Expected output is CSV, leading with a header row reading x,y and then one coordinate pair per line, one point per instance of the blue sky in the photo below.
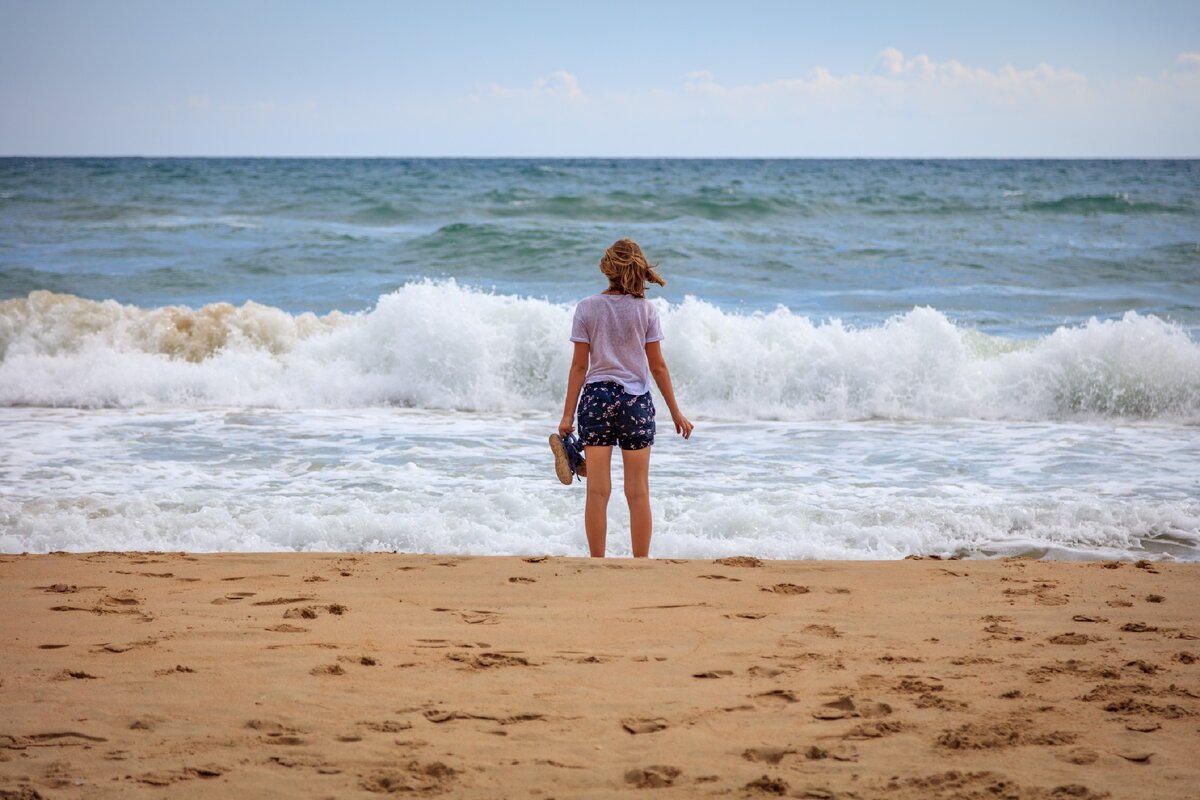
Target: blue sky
x,y
770,79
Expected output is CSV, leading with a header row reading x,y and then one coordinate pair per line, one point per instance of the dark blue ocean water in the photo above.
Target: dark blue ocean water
x,y
1008,247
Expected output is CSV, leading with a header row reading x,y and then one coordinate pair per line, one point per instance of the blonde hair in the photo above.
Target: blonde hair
x,y
626,267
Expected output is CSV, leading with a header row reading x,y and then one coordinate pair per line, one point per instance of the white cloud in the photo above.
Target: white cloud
x,y
558,84
1188,61
895,73
900,105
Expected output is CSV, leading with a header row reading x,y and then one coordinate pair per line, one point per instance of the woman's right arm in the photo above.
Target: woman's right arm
x,y
579,368
662,377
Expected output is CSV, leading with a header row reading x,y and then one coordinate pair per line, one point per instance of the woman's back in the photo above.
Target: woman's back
x,y
617,328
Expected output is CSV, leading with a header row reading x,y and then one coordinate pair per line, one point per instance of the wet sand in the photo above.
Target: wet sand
x,y
361,675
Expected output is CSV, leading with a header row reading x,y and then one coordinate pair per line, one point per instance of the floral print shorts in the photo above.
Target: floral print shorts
x,y
609,416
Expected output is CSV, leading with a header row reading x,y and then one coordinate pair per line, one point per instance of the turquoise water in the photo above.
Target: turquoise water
x,y
883,357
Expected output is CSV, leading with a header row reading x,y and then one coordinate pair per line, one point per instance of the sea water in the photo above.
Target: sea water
x,y
882,358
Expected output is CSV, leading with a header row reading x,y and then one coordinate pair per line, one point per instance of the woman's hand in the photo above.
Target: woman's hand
x,y
566,426
682,425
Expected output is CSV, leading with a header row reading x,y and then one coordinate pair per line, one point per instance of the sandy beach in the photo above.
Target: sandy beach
x,y
338,675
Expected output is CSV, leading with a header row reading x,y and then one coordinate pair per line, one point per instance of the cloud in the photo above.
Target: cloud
x,y
1188,61
897,105
558,84
896,73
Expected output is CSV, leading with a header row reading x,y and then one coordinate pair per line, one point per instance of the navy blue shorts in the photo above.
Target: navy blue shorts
x,y
609,416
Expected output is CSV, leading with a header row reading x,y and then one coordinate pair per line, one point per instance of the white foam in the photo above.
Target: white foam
x,y
439,345
438,482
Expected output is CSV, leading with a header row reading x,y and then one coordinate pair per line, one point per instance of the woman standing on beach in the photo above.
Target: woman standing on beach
x,y
617,340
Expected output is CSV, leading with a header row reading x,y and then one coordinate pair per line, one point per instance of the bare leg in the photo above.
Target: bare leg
x,y
599,487
637,493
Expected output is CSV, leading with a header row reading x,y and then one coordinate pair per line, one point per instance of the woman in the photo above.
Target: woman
x,y
617,340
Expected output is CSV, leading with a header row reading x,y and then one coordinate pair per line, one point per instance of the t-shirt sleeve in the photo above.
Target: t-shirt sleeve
x,y
653,327
578,328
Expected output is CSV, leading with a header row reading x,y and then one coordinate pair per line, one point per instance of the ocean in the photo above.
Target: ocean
x,y
883,358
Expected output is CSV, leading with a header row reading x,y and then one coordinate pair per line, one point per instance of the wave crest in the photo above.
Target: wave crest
x,y
440,345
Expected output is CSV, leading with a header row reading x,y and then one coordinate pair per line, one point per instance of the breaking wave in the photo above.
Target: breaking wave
x,y
440,345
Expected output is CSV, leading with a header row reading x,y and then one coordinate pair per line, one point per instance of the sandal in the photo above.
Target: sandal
x,y
568,457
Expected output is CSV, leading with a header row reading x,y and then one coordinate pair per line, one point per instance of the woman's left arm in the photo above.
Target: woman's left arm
x,y
579,368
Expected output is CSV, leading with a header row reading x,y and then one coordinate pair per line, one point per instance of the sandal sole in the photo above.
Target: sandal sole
x,y
562,464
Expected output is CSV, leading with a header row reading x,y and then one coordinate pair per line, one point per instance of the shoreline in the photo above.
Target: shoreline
x,y
362,674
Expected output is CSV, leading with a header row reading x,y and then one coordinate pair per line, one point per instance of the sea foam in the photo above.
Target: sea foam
x,y
440,345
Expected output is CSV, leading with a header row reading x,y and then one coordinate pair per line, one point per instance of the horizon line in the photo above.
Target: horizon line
x,y
617,158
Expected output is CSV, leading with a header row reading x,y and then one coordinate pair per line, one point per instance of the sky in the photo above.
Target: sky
x,y
613,79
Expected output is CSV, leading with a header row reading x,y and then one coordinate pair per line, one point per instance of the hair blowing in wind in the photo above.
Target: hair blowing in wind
x,y
626,267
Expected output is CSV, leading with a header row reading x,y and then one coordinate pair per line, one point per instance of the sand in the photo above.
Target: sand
x,y
338,675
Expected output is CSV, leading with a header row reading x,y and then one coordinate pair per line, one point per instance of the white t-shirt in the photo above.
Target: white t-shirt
x,y
617,327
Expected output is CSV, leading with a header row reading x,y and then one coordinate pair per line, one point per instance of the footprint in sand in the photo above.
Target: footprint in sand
x,y
999,734
652,777
311,612
124,598
417,778
173,670
827,631
777,697
328,669
488,660
365,661
280,601
962,784
721,578
785,588
1142,726
1079,755
846,707
894,659
643,725
873,730
232,597
386,726
125,648
914,685
1073,638
739,561
766,755
758,671
768,785
522,579
841,752
12,742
